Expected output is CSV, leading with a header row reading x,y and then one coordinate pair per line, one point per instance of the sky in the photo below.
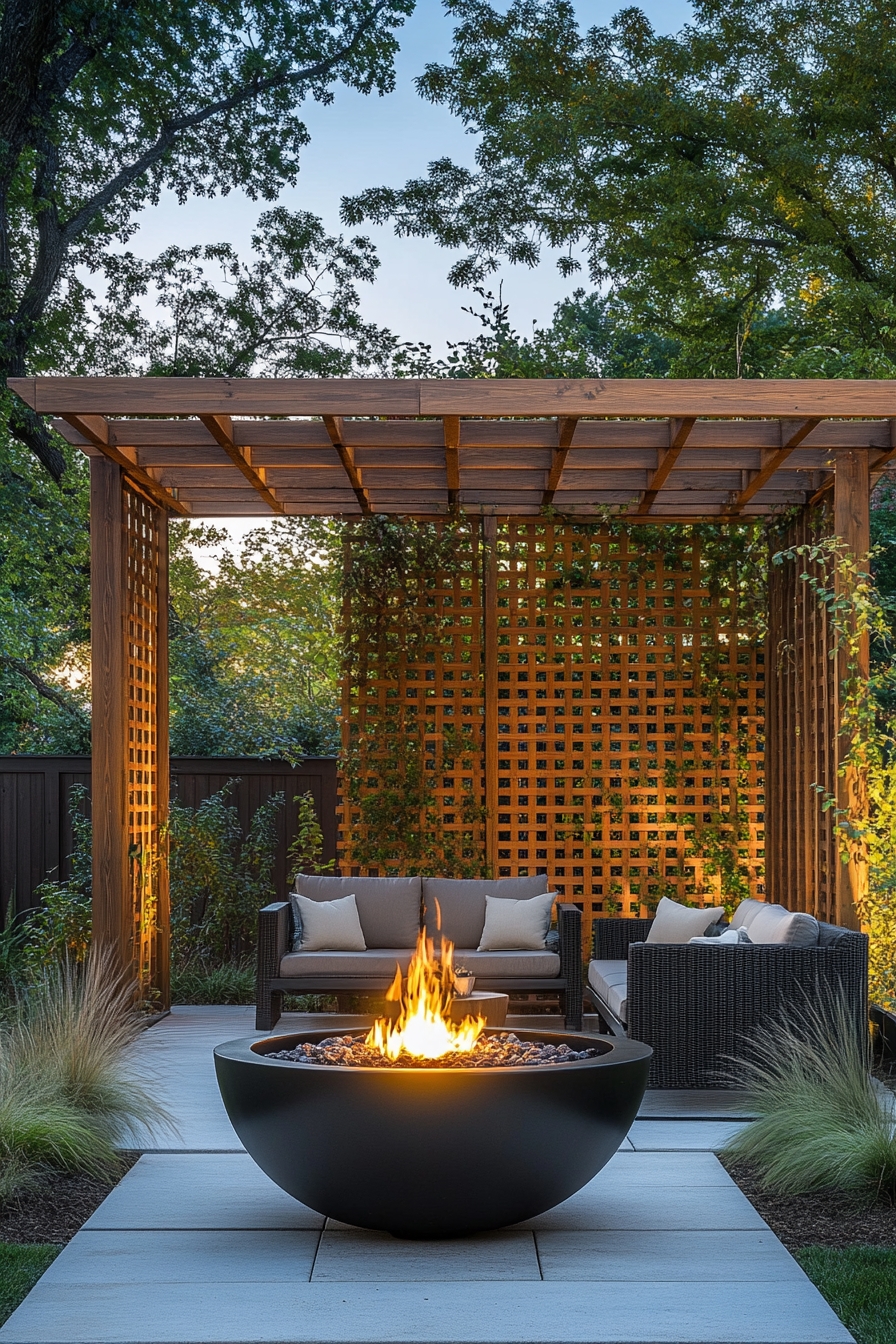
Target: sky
x,y
359,142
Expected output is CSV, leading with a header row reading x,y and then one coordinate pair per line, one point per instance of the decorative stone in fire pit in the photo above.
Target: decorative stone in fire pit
x,y
427,1128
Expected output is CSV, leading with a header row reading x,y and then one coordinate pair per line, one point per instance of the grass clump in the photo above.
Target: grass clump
x,y
20,1269
66,1097
822,1124
860,1284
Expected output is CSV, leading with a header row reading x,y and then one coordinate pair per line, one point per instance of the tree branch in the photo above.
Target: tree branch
x,y
42,687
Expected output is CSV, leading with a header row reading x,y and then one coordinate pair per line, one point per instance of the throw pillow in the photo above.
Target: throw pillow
x,y
516,926
730,938
774,924
328,926
676,923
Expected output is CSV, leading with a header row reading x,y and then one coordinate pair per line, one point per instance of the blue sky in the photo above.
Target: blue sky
x,y
359,142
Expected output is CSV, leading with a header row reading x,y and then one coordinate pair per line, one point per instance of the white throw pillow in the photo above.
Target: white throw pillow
x,y
730,938
329,926
746,912
774,924
516,926
676,923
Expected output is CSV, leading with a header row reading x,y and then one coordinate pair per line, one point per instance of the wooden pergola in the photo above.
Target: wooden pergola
x,y
533,452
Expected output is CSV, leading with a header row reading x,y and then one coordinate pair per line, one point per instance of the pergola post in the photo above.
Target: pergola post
x,y
129,672
852,525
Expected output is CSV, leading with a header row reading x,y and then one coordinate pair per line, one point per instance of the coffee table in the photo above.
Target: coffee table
x,y
493,1007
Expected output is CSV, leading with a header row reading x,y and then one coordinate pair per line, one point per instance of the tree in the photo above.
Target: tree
x,y
291,311
105,104
736,183
254,646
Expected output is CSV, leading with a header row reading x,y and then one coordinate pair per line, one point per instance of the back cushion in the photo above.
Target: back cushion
x,y
745,913
388,907
462,903
774,924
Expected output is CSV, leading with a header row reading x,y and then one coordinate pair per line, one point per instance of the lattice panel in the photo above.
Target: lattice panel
x,y
147,787
437,701
619,763
626,714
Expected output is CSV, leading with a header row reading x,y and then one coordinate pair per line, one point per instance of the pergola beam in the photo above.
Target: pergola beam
x,y
775,459
221,429
334,427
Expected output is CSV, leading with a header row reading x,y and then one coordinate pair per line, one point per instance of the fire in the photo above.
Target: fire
x,y
423,1027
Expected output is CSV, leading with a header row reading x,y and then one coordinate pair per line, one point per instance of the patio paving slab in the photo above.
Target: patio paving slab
x,y
683,1135
375,1257
426,1313
223,1191
662,1257
184,1257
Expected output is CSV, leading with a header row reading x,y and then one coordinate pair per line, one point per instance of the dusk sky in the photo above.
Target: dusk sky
x,y
360,142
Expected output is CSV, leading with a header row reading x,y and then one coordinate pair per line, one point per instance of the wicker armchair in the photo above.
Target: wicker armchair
x,y
694,1003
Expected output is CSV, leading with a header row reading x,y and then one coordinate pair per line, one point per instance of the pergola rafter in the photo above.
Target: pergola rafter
x,y
521,459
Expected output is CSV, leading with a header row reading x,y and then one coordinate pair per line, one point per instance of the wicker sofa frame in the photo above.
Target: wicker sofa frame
x,y
694,1004
275,933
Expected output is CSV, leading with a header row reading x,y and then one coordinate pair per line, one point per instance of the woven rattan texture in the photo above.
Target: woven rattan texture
x,y
622,721
802,733
142,523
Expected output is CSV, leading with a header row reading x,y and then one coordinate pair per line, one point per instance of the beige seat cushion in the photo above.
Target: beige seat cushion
x,y
513,965
462,903
380,963
609,980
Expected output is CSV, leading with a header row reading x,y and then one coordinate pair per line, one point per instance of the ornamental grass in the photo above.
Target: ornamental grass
x,y
67,1098
823,1122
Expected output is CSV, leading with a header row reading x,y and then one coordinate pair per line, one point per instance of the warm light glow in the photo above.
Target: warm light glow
x,y
423,1028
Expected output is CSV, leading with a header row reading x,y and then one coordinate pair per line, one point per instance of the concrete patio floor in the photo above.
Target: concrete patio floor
x,y
197,1246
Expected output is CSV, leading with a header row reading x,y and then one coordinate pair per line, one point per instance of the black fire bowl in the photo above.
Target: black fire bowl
x,y
432,1152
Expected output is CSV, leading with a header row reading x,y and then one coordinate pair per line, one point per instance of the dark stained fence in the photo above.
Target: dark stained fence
x,y
35,825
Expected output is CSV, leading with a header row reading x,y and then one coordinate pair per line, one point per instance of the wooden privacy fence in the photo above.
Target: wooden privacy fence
x,y
607,707
35,827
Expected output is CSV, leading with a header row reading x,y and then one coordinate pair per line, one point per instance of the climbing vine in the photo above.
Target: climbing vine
x,y
402,580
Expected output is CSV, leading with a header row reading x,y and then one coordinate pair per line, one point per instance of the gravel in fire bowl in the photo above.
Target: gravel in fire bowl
x,y
490,1052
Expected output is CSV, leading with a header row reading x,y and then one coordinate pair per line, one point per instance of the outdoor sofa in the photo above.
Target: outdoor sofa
x,y
696,1002
391,911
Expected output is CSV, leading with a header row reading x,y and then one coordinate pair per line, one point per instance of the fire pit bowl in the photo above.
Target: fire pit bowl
x,y
432,1152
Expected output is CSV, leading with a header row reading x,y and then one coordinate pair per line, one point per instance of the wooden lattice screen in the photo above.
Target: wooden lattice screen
x,y
803,717
619,712
146,531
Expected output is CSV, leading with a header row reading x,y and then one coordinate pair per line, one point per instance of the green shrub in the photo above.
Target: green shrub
x,y
20,1269
197,982
307,845
219,880
66,1096
822,1124
59,930
860,1284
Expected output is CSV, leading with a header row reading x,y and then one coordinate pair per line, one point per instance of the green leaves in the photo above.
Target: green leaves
x,y
736,183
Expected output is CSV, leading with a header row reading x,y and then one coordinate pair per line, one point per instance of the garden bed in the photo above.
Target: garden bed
x,y
823,1219
56,1209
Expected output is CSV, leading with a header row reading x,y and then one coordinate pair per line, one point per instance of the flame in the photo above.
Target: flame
x,y
423,1027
